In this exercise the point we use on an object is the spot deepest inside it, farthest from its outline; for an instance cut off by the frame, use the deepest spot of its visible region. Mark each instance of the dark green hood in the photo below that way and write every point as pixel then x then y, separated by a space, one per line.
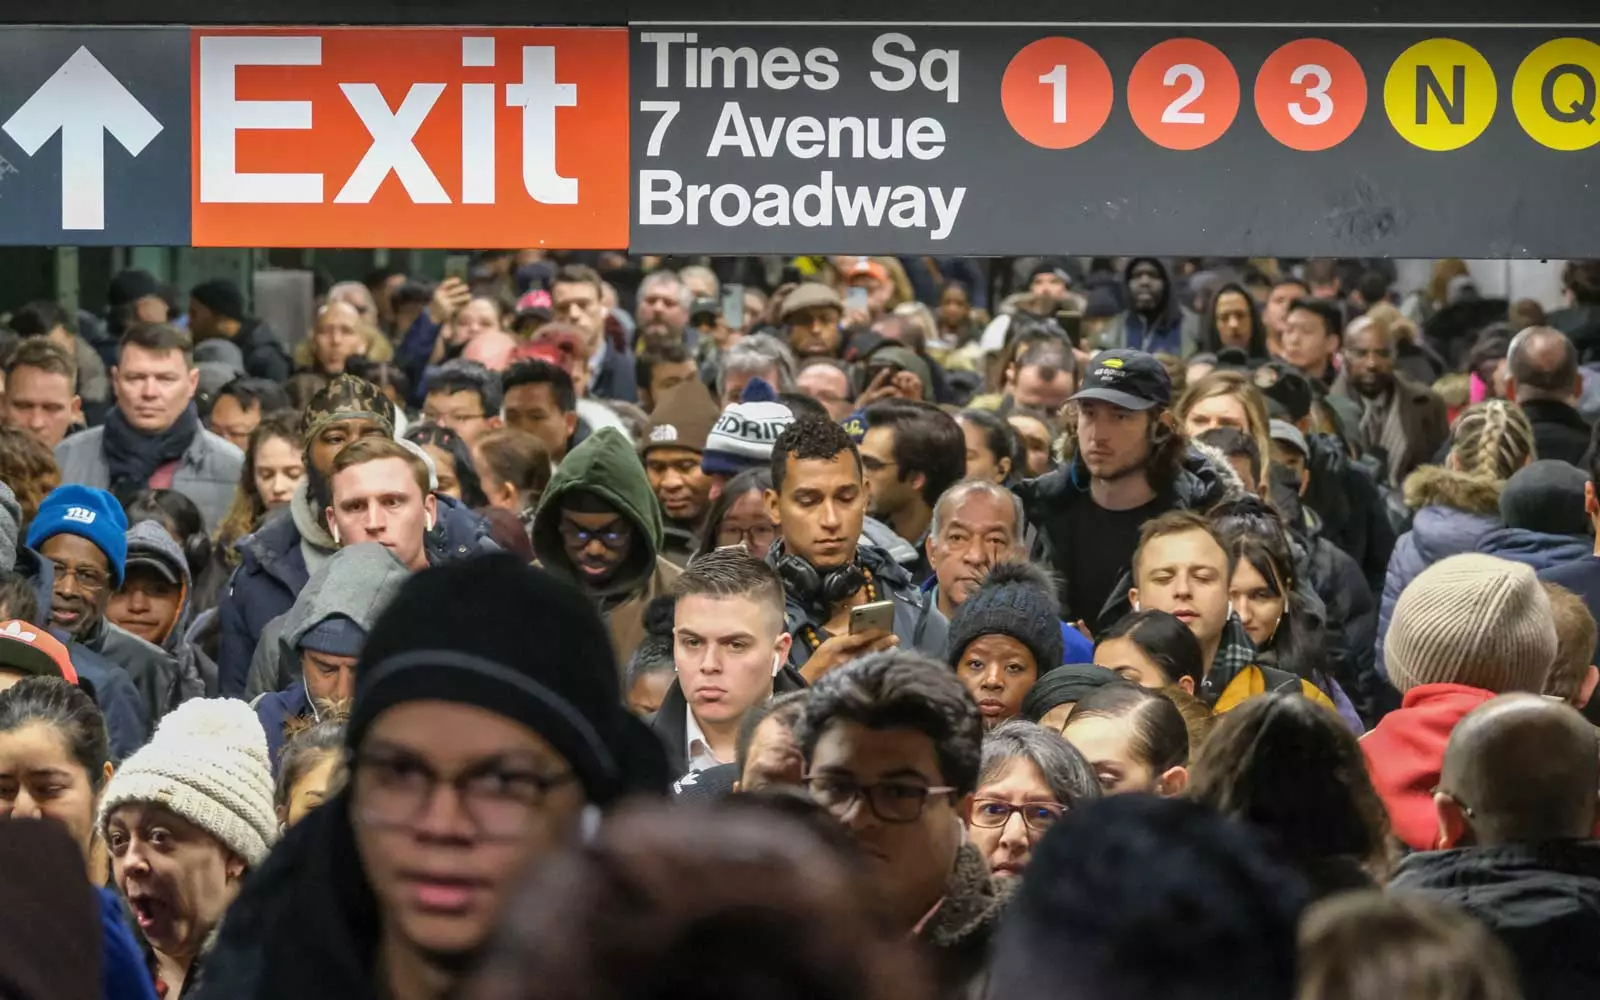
pixel 605 465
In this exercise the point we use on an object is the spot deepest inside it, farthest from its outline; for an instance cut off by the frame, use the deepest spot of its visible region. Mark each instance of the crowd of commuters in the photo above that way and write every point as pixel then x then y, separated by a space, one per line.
pixel 836 627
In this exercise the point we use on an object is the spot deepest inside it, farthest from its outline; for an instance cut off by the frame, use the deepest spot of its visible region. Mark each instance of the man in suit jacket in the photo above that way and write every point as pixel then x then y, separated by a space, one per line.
pixel 1404 421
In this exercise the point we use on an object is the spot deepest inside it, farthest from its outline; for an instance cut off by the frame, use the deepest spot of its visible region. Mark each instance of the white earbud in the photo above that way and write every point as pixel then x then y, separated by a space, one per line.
pixel 777 664
pixel 335 529
pixel 1136 605
pixel 428 523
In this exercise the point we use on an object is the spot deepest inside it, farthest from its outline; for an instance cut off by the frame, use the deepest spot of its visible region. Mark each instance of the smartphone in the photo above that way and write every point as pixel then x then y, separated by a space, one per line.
pixel 855 300
pixel 1071 324
pixel 733 307
pixel 457 265
pixel 877 615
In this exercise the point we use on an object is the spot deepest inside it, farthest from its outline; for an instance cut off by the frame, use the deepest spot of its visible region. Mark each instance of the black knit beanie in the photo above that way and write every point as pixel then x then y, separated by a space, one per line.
pixel 513 640
pixel 1016 599
pixel 221 296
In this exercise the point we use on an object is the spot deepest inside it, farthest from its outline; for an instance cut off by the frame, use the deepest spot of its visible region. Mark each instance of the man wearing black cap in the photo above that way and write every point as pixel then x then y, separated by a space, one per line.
pixel 1132 464
pixel 216 309
pixel 479 678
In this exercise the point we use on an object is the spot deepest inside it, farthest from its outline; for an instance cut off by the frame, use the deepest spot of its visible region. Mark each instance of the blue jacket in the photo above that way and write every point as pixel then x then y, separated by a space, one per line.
pixel 1535 548
pixel 1455 513
pixel 276 708
pixel 263 587
pixel 123 975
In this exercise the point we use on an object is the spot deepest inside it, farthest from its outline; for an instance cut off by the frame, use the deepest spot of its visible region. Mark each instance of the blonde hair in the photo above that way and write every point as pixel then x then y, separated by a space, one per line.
pixel 1362 945
pixel 1493 440
pixel 1239 386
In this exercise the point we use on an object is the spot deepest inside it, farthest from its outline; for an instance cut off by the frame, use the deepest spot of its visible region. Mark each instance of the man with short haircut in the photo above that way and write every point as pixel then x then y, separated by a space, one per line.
pixel 1573 676
pixel 465 397
pixel 39 394
pixel 216 309
pixel 576 296
pixel 1136 465
pixel 378 492
pixel 760 356
pixel 912 453
pixel 240 405
pixel 278 559
pixel 672 453
pixel 539 398
pixel 153 439
pixel 1310 338
pixel 827 381
pixel 48 320
pixel 819 502
pixel 598 527
pixel 810 318
pixel 658 369
pixel 1043 377
pixel 1516 816
pixel 1286 290
pixel 1182 567
pixel 1542 377
pixel 729 644
pixel 663 312
pixel 892 745
pixel 1401 421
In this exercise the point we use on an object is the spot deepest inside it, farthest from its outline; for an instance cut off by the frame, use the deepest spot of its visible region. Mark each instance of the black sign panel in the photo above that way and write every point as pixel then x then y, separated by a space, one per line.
pixel 1228 140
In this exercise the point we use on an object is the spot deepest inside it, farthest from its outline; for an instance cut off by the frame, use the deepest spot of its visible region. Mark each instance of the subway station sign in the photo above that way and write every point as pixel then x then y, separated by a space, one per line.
pixel 801 138
pixel 1201 140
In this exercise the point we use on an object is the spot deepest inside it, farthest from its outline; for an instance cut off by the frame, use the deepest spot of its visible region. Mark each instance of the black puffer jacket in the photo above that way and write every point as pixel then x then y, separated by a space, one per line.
pixel 1050 501
pixel 1354 516
pixel 1543 900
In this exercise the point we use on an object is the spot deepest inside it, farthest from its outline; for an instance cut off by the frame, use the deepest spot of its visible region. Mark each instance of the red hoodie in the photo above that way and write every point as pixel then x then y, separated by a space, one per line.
pixel 1405 751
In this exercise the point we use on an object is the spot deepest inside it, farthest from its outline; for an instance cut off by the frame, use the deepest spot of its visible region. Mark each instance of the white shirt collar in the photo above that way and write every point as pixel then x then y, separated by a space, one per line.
pixel 696 748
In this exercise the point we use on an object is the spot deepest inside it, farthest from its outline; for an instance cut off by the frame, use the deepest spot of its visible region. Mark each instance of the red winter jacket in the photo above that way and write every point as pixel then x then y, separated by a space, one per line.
pixel 1405 751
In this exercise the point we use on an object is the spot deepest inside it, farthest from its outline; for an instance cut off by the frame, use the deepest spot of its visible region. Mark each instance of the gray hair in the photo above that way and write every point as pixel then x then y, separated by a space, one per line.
pixel 756 355
pixel 700 271
pixel 1071 778
pixel 665 276
pixel 966 488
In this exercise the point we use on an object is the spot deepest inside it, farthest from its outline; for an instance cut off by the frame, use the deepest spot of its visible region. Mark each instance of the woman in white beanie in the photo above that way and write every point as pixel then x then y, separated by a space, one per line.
pixel 184 819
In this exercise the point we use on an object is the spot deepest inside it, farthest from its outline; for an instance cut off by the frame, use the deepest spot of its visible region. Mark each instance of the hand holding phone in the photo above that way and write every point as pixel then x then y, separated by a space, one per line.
pixel 876 616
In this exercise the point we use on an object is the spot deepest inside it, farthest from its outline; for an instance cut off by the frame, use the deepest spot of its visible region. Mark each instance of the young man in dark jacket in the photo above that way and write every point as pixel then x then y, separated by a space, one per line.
pixel 819 501
pixel 216 309
pixel 1517 848
pixel 892 743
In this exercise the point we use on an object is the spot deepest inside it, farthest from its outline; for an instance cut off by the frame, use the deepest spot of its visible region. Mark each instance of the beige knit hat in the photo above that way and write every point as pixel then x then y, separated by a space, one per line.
pixel 207 763
pixel 1474 620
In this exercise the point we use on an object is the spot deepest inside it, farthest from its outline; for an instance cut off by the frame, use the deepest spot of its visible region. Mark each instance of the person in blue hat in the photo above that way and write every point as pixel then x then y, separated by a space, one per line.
pixel 81 534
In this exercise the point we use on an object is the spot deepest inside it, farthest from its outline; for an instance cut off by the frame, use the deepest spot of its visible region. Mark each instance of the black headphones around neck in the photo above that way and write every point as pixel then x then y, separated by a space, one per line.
pixel 815 590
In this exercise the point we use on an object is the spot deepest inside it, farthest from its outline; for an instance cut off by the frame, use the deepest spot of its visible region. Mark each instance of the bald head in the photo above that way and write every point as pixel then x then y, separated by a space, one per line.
pixel 1543 364
pixel 1529 769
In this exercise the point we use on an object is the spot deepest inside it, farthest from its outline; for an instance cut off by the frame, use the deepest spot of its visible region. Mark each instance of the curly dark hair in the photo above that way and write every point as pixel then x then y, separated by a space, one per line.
pixel 810 438
pixel 28 468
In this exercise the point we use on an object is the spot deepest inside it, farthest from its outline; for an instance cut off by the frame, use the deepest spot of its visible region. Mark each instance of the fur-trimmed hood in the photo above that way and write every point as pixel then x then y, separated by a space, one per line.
pixel 1439 486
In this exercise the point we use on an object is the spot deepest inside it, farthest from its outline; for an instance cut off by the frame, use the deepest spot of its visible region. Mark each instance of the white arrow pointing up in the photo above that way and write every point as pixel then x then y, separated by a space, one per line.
pixel 82 101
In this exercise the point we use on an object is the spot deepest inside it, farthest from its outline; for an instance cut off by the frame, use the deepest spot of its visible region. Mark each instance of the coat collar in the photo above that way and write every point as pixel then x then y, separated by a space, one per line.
pixel 972 904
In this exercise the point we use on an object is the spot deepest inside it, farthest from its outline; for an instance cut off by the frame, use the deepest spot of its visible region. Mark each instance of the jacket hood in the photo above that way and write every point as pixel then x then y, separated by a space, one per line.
pixel 148 540
pixel 1405 751
pixel 605 465
pixel 880 535
pixel 1167 308
pixel 1438 486
pixel 357 582
pixel 10 526
pixel 1535 548
pixel 307 519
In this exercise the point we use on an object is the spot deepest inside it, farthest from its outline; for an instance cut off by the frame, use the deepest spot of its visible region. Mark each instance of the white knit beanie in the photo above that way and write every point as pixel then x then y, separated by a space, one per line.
pixel 1474 620
pixel 207 763
pixel 743 437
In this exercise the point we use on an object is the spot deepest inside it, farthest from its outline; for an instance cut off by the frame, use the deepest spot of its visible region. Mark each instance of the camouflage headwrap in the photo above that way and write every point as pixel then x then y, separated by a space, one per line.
pixel 347 398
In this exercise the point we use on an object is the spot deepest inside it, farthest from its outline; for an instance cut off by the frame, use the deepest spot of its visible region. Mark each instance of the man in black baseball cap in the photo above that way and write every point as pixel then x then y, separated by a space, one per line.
pixel 1132 464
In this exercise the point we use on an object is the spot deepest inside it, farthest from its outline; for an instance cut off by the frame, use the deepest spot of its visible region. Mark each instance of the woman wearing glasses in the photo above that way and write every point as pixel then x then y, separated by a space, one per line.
pixel 739 515
pixel 1028 778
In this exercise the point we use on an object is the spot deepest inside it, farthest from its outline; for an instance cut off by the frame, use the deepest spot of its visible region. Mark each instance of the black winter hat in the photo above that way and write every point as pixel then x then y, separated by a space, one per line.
pixel 131 286
pixel 492 632
pixel 1546 496
pixel 221 296
pixel 1016 599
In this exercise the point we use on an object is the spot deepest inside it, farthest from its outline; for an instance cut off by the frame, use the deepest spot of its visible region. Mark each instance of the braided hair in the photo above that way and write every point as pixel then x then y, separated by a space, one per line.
pixel 1493 439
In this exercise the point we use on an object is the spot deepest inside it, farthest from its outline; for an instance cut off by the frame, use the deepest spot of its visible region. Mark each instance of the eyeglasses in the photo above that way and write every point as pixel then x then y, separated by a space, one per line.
pixel 88 577
pixel 890 801
pixel 757 537
pixel 994 814
pixel 614 538
pixel 395 791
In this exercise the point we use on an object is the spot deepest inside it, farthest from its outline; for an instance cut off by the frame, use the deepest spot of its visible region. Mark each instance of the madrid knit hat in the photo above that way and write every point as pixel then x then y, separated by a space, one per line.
pixel 683 418
pixel 743 436
pixel 496 634
pixel 207 763
pixel 1016 599
pixel 1474 620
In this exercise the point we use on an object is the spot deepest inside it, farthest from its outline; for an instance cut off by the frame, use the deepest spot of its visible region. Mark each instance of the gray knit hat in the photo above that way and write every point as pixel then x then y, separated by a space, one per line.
pixel 1015 599
pixel 1474 620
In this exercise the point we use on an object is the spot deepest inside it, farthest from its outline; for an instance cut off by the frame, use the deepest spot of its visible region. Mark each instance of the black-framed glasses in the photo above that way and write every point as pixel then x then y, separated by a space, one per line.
pixel 994 814
pixel 760 535
pixel 614 537
pixel 394 790
pixel 890 801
